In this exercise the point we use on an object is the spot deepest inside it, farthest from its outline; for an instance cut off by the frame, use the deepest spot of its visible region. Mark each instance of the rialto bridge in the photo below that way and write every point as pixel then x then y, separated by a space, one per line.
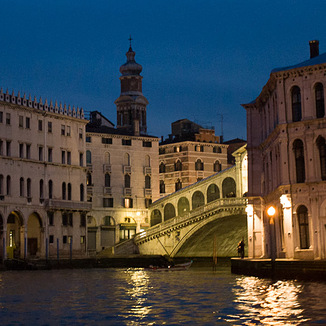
pixel 205 219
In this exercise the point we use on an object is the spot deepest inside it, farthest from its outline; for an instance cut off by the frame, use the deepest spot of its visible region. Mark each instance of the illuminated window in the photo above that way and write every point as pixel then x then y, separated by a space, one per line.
pixel 302 213
pixel 128 202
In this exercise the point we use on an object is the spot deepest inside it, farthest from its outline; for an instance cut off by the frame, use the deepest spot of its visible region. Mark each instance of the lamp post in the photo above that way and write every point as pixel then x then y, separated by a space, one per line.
pixel 271 213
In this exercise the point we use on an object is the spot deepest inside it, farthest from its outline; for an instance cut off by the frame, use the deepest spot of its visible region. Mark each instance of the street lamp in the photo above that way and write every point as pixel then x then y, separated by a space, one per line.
pixel 271 213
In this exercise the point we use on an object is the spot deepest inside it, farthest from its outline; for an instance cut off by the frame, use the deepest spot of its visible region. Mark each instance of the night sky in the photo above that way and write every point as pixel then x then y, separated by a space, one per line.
pixel 201 59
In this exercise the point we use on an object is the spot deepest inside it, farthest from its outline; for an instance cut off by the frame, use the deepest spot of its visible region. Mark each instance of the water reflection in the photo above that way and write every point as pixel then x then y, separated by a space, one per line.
pixel 268 303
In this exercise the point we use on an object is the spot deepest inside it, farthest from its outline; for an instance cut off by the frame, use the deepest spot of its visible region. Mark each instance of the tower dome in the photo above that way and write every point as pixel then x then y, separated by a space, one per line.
pixel 131 67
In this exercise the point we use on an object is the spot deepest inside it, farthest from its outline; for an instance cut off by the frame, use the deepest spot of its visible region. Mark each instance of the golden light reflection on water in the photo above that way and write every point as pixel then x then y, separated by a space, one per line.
pixel 138 291
pixel 268 303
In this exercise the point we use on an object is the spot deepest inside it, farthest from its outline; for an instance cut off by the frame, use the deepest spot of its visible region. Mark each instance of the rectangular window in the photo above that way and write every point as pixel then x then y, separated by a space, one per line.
pixel 1 117
pixel 7 118
pixel 63 157
pixel 147 144
pixel 49 126
pixel 148 202
pixel 21 121
pixel 83 219
pixel 28 123
pixel 65 219
pixel 70 219
pixel 106 140
pixel 51 218
pixel 68 131
pixel 51 238
pixel 40 125
pixel 40 153
pixel 81 159
pixel 107 202
pixel 126 142
pixel 82 239
pixel 28 151
pixel 69 239
pixel 8 149
pixel 64 239
pixel 128 202
pixel 1 147
pixel 50 150
pixel 80 133
pixel 63 130
pixel 21 150
pixel 88 139
pixel 69 158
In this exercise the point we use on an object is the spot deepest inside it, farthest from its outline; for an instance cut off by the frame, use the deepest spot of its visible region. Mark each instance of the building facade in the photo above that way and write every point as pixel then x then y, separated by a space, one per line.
pixel 287 163
pixel 42 179
pixel 191 154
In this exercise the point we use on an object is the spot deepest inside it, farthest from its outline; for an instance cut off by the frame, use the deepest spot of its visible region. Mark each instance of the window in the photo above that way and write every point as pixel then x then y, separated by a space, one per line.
pixel 70 219
pixel 21 121
pixel 63 130
pixel 81 192
pixel 81 159
pixel 147 144
pixel 88 139
pixel 51 238
pixel 217 149
pixel 162 187
pixel 65 218
pixel 41 189
pixel 127 181
pixel 88 179
pixel 107 180
pixel 40 153
pixel 128 203
pixel 50 189
pixel 88 157
pixel 69 191
pixel 28 151
pixel 322 156
pixel 147 182
pixel 40 125
pixel 302 213
pixel 49 127
pixel 8 149
pixel 68 131
pixel 29 188
pixel 217 166
pixel 69 158
pixel 106 140
pixel 161 150
pixel 21 150
pixel 126 142
pixel 63 157
pixel 21 187
pixel 63 193
pixel 1 185
pixel 178 166
pixel 178 185
pixel 296 104
pixel 1 147
pixel 199 165
pixel 64 239
pixel 82 239
pixel 50 151
pixel 28 123
pixel 319 98
pixel 51 218
pixel 299 161
pixel 162 167
pixel 7 118
pixel 82 219
pixel 148 202
pixel 107 202
pixel 1 117
pixel 80 133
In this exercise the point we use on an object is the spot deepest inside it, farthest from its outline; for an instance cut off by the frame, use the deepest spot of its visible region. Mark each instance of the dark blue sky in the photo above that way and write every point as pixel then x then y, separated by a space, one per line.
pixel 200 58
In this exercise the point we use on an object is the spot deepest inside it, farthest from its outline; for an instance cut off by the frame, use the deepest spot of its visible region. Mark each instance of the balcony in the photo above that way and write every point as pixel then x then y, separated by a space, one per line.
pixel 126 169
pixel 89 167
pixel 147 170
pixel 148 192
pixel 200 174
pixel 127 191
pixel 106 168
pixel 107 191
pixel 89 190
pixel 67 204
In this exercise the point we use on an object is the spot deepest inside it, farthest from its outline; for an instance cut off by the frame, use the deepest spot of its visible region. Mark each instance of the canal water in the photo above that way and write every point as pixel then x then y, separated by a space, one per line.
pixel 198 296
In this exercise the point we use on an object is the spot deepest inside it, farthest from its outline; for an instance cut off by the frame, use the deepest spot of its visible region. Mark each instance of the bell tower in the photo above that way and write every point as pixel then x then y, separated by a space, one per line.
pixel 131 104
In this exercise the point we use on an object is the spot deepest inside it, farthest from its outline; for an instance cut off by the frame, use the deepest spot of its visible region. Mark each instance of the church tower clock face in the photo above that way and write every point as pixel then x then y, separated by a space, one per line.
pixel 131 100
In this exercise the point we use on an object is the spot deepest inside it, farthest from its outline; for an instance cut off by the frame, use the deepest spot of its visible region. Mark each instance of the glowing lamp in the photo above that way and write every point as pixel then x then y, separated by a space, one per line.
pixel 271 211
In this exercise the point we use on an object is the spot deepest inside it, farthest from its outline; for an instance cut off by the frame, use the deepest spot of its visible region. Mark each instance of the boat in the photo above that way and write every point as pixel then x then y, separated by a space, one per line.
pixel 176 267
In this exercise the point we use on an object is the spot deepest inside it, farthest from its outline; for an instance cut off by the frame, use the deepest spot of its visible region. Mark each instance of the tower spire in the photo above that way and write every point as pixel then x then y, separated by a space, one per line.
pixel 130 39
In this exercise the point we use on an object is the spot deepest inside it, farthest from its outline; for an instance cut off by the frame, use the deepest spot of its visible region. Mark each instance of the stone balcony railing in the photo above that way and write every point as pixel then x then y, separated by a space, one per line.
pixel 67 204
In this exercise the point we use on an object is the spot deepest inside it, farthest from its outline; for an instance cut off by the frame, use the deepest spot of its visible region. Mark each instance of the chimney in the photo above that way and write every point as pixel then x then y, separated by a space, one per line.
pixel 314 48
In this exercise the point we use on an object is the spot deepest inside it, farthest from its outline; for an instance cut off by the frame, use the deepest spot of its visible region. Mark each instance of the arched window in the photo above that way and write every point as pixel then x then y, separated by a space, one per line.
pixel 127 181
pixel 178 185
pixel 81 192
pixel 162 168
pixel 50 189
pixel 178 166
pixel 299 161
pixel 21 187
pixel 63 193
pixel 29 188
pixel 303 223
pixel 41 189
pixel 126 159
pixel 162 187
pixel 89 179
pixel 108 221
pixel 319 98
pixel 296 104
pixel 1 185
pixel 88 157
pixel 199 165
pixel 69 191
pixel 8 185
pixel 147 182
pixel 217 166
pixel 322 156
pixel 107 180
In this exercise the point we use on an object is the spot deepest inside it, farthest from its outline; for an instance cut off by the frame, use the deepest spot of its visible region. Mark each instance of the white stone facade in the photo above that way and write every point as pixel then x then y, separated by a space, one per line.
pixel 287 163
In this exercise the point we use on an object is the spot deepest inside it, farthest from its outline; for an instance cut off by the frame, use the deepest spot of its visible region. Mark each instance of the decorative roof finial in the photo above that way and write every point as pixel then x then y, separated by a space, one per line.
pixel 130 39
